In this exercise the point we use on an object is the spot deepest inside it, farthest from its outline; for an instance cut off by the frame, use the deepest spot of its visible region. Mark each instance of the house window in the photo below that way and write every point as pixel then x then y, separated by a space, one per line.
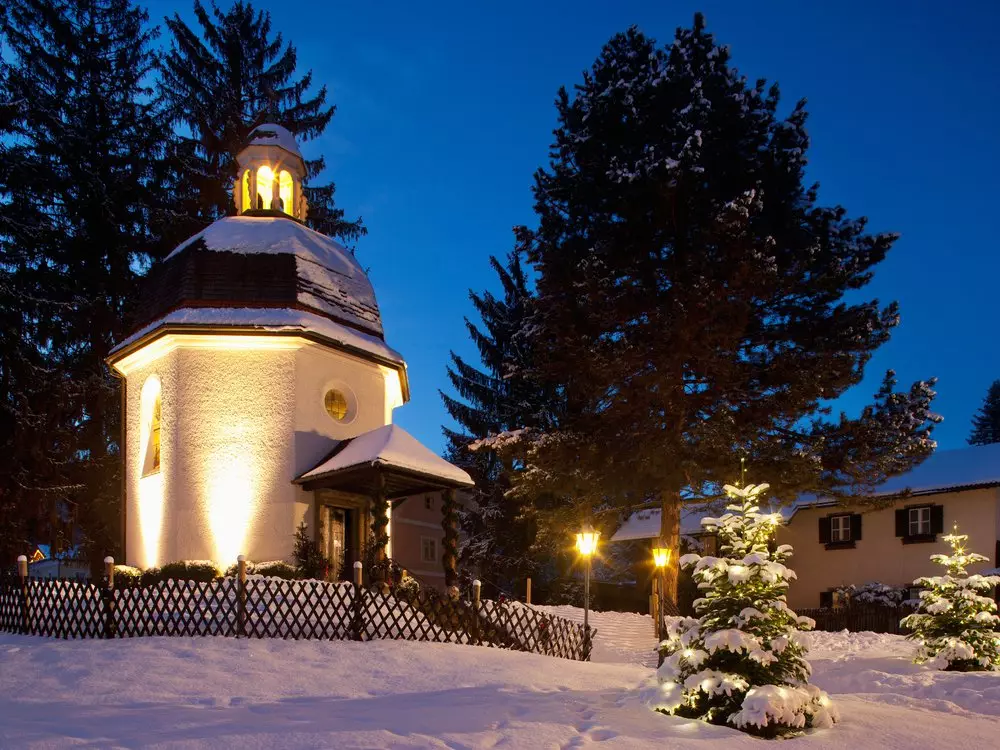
pixel 840 529
pixel 428 549
pixel 920 521
pixel 429 503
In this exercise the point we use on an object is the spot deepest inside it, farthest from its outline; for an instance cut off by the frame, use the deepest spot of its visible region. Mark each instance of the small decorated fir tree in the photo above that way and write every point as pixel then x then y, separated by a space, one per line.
pixel 955 624
pixel 742 661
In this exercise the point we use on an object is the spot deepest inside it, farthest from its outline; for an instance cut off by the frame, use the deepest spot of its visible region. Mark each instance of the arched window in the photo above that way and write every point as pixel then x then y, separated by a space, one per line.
pixel 285 192
pixel 150 407
pixel 265 187
pixel 245 206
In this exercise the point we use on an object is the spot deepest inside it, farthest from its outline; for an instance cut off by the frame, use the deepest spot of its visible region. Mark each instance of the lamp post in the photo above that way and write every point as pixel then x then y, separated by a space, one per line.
pixel 586 545
pixel 661 558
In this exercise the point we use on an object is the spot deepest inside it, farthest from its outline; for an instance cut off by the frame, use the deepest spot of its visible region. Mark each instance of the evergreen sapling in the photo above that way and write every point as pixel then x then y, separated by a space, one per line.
pixel 742 661
pixel 955 623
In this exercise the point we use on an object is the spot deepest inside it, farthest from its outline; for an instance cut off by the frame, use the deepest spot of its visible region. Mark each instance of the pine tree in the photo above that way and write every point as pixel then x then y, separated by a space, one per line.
pixel 955 623
pixel 221 84
pixel 499 531
pixel 986 421
pixel 742 661
pixel 692 297
pixel 81 193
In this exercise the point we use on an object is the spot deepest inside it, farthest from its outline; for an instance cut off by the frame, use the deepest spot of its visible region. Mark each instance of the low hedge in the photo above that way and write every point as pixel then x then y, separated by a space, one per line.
pixel 269 569
pixel 203 571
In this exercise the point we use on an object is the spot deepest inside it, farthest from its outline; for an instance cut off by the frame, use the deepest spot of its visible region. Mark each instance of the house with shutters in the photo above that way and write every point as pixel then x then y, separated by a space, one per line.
pixel 837 546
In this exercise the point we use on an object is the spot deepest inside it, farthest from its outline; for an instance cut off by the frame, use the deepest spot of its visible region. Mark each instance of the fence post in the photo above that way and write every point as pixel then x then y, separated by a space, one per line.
pixel 108 594
pixel 359 602
pixel 22 572
pixel 527 595
pixel 477 588
pixel 241 596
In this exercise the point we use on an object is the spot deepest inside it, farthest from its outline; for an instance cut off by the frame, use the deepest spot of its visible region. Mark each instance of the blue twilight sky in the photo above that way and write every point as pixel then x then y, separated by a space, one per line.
pixel 445 110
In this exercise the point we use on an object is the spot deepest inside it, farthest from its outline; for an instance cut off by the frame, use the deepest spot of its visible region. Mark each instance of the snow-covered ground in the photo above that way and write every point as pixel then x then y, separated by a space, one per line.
pixel 221 693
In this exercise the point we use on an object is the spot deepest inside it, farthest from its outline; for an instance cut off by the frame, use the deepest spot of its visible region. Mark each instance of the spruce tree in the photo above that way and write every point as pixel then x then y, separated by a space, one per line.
pixel 986 421
pixel 695 300
pixel 956 621
pixel 742 661
pixel 223 82
pixel 81 192
pixel 499 531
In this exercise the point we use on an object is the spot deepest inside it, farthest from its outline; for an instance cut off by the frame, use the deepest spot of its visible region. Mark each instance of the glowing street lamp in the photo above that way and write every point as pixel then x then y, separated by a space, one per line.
pixel 586 545
pixel 661 558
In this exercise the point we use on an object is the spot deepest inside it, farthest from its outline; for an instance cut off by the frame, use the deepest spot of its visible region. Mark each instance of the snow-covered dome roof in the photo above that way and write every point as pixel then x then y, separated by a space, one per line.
pixel 270 134
pixel 263 262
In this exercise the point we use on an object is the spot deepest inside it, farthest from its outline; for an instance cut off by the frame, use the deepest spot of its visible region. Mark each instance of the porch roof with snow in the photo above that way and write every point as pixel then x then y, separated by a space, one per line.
pixel 390 452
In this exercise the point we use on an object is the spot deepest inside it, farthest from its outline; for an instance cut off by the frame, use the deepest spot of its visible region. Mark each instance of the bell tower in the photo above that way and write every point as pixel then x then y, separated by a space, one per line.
pixel 271 171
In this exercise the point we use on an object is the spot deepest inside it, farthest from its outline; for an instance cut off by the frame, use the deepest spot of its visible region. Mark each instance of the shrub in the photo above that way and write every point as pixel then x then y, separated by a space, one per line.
pixel 203 571
pixel 127 576
pixel 309 558
pixel 151 576
pixel 277 569
pixel 407 588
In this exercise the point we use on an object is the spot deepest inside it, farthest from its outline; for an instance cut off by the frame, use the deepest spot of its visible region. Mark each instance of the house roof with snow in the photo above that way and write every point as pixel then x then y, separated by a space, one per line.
pixel 405 464
pixel 944 471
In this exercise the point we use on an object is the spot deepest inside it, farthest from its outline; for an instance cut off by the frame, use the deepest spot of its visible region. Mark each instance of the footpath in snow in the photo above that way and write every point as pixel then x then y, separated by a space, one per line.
pixel 250 694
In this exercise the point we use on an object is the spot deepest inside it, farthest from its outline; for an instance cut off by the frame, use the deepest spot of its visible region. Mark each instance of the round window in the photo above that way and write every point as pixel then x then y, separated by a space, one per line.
pixel 336 404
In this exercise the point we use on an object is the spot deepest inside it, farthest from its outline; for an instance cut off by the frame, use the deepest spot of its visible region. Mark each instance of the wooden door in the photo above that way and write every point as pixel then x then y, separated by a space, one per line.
pixel 336 537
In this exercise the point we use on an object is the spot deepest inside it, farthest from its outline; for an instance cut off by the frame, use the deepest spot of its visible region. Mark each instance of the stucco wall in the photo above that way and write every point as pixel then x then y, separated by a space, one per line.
pixel 880 555
pixel 238 424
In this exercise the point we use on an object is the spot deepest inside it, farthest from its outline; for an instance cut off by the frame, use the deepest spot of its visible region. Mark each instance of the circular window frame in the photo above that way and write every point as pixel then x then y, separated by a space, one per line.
pixel 348 393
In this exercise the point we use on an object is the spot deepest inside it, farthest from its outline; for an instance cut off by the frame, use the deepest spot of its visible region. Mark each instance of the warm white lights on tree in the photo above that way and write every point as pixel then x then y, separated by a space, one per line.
pixel 742 661
pixel 955 623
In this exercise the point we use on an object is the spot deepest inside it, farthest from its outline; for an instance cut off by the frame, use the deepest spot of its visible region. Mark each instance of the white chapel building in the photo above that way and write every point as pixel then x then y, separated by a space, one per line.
pixel 259 392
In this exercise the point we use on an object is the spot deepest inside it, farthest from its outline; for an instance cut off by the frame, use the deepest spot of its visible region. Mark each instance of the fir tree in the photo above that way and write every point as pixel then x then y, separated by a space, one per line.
pixel 309 558
pixel 742 661
pixel 81 194
pixel 221 84
pixel 499 531
pixel 955 623
pixel 695 301
pixel 986 421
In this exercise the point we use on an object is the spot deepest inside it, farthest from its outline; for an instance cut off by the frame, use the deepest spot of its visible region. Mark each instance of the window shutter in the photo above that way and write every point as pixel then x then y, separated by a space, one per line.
pixel 902 522
pixel 824 531
pixel 937 519
pixel 826 597
pixel 855 526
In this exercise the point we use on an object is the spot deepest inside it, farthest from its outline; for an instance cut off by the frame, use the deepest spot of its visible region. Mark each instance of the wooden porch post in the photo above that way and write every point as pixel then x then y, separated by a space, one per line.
pixel 380 523
pixel 449 544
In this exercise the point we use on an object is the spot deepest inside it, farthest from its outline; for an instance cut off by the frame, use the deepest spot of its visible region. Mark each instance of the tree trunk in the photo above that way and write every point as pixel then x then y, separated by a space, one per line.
pixel 670 533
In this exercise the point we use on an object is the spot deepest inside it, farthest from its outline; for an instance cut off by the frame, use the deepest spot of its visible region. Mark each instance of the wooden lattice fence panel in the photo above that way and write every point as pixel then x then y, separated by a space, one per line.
pixel 277 608
pixel 177 608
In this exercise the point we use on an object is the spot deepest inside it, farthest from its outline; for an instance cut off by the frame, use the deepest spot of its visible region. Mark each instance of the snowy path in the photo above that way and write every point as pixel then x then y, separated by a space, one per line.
pixel 254 694
pixel 622 637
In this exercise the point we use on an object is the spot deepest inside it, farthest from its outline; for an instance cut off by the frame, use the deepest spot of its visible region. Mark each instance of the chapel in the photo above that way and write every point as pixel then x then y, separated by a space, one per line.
pixel 259 391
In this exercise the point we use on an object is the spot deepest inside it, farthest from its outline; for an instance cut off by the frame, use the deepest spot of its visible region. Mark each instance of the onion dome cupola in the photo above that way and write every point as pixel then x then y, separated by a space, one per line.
pixel 271 171
pixel 264 269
